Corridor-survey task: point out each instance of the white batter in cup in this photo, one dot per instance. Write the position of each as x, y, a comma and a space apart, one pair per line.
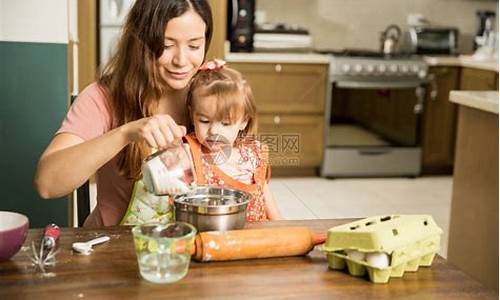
170, 171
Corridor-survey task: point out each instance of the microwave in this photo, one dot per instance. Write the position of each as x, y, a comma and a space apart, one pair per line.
240, 25
434, 40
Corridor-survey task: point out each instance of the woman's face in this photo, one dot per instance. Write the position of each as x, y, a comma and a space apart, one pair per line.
184, 49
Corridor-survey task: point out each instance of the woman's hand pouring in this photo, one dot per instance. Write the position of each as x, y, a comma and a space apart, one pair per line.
159, 131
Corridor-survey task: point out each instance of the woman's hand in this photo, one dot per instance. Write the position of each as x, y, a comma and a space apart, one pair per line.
159, 131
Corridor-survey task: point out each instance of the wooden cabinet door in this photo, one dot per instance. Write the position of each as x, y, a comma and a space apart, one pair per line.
439, 123
286, 88
293, 140
478, 80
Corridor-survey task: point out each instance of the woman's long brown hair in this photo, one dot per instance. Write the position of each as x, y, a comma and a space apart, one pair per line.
132, 79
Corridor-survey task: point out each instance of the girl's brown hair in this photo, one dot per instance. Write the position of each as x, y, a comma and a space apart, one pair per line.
132, 79
230, 88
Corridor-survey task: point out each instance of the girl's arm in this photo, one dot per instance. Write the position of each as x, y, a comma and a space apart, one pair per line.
69, 160
272, 210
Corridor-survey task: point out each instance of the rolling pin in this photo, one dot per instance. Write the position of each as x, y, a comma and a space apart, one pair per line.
255, 243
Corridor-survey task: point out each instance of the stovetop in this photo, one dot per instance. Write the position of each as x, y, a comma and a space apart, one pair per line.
365, 53
369, 68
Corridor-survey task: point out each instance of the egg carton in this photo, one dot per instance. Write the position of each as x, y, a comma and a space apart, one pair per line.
410, 241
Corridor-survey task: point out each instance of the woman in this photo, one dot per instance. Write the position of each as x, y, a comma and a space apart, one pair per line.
138, 103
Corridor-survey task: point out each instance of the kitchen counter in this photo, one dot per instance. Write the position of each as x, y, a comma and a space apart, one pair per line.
293, 58
473, 237
482, 100
111, 272
462, 61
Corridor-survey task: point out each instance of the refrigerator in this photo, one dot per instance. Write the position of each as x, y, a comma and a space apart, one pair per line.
112, 16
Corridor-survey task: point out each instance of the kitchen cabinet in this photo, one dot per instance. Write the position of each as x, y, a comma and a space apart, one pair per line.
293, 140
440, 116
290, 101
439, 122
473, 236
478, 80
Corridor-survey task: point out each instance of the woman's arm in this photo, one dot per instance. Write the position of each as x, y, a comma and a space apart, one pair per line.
272, 210
69, 161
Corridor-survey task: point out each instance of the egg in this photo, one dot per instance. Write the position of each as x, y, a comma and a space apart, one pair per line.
378, 260
355, 255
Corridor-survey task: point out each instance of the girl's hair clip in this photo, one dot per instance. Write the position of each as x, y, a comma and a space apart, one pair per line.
212, 65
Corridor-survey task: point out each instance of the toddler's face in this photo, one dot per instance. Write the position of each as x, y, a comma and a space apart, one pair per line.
207, 126
184, 49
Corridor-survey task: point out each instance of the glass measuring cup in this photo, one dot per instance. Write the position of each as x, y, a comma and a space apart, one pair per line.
164, 250
169, 171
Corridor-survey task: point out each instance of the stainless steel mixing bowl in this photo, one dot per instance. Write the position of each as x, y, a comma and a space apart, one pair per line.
212, 208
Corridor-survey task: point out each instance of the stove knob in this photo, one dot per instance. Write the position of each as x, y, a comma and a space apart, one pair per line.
404, 69
393, 68
422, 74
346, 68
370, 68
358, 68
414, 69
382, 68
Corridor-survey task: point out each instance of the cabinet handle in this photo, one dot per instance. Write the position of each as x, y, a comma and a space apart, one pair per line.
419, 106
278, 68
277, 120
443, 71
431, 78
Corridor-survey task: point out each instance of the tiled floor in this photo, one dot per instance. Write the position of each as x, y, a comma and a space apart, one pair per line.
319, 198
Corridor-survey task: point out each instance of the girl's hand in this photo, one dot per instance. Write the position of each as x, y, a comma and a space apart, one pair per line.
159, 131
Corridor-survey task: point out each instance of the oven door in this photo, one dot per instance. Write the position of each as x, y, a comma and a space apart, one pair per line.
374, 132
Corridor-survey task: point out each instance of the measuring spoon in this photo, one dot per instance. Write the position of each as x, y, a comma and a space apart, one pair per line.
86, 247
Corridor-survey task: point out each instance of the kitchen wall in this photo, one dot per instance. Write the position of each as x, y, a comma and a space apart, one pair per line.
34, 21
1, 20
34, 99
358, 23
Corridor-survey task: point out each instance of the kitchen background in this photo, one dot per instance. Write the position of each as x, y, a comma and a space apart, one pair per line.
341, 24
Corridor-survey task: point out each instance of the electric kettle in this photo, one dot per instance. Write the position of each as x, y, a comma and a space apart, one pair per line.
389, 39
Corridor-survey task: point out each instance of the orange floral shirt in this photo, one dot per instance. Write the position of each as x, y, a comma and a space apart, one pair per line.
207, 173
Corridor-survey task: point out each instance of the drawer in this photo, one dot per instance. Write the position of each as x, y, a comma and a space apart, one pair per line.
476, 80
293, 140
286, 88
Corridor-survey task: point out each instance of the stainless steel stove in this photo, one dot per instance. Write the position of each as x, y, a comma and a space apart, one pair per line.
368, 69
374, 114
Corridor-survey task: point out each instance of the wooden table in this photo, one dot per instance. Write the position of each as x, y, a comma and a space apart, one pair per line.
111, 272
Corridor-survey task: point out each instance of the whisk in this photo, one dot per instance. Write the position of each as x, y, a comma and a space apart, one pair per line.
46, 255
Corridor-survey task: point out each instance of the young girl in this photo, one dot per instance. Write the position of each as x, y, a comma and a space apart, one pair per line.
223, 151
223, 115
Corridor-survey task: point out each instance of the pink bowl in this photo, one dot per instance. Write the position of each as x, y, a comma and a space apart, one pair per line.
13, 232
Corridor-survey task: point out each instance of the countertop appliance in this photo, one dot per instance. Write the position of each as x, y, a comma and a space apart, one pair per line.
485, 25
240, 25
389, 39
373, 114
434, 40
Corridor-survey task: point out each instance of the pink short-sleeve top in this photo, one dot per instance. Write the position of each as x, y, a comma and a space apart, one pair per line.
90, 116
